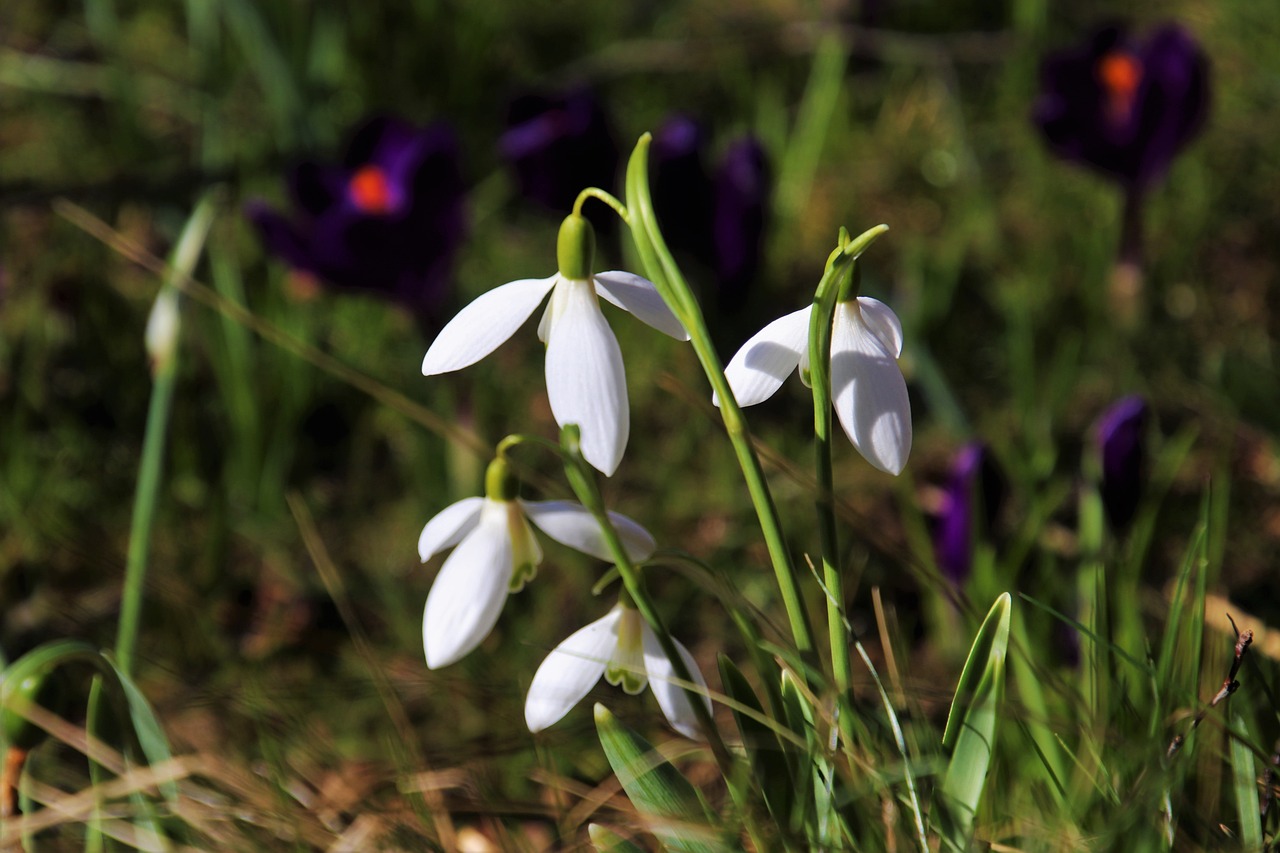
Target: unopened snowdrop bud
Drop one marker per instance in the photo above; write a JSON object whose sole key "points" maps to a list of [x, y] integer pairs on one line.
{"points": [[500, 483], [162, 329], [576, 247]]}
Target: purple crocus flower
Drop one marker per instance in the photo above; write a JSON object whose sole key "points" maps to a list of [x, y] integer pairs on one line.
{"points": [[389, 220], [559, 146], [717, 220], [1121, 442], [739, 216], [681, 187], [971, 501], [1122, 105]]}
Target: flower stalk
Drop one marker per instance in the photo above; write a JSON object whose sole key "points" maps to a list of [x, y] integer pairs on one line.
{"points": [[839, 283], [165, 375], [666, 276], [584, 487]]}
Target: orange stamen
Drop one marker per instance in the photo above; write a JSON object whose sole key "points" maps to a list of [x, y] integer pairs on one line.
{"points": [[371, 191], [1120, 74]]}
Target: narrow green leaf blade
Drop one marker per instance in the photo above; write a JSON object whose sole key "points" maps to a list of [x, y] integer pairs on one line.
{"points": [[605, 840], [766, 752], [971, 727], [1244, 780], [656, 788]]}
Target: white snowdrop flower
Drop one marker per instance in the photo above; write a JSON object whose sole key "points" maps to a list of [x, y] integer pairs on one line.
{"points": [[497, 553], [867, 388], [623, 648], [586, 384]]}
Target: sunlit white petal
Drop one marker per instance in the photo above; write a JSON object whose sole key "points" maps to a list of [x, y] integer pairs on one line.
{"points": [[483, 325], [449, 526], [570, 671], [572, 524], [672, 698], [585, 381], [758, 369], [869, 393], [883, 323], [468, 594], [637, 295]]}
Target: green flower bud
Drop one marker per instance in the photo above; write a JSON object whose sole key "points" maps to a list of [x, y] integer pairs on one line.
{"points": [[43, 689], [500, 483], [576, 247]]}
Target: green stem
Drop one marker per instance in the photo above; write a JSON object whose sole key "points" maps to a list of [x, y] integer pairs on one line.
{"points": [[838, 270], [675, 291], [600, 195], [185, 256], [144, 509], [582, 479]]}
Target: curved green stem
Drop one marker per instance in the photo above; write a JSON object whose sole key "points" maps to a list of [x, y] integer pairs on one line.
{"points": [[671, 284], [600, 195], [824, 303], [185, 256], [581, 478], [838, 284]]}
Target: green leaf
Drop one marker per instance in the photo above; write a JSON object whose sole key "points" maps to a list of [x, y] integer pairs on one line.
{"points": [[971, 727], [606, 840], [766, 752], [799, 719], [657, 790], [1244, 780]]}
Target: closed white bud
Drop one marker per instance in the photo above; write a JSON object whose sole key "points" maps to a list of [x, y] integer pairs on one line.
{"points": [[162, 328]]}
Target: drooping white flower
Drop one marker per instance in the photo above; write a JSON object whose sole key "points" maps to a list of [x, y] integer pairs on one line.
{"points": [[586, 384], [497, 553], [867, 388], [623, 648]]}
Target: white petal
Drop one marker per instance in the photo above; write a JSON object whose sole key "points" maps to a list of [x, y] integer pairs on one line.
{"points": [[448, 527], [883, 323], [482, 326], [468, 594], [570, 671], [585, 382], [869, 392], [637, 295], [572, 524], [672, 699], [757, 370]]}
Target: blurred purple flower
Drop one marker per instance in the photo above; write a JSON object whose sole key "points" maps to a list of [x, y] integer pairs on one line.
{"points": [[972, 499], [389, 220], [1124, 106], [739, 216], [681, 186], [1121, 441], [559, 146], [719, 221]]}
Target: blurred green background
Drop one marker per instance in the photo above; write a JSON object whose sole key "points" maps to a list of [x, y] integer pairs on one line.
{"points": [[998, 263]]}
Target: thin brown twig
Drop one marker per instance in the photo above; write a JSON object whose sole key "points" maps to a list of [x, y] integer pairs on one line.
{"points": [[1229, 686]]}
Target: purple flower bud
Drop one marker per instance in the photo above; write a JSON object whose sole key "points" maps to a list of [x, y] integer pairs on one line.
{"points": [[559, 146], [681, 187], [1123, 106], [739, 217], [389, 220], [972, 499], [1121, 441]]}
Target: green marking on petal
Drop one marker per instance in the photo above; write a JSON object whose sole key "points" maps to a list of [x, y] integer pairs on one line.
{"points": [[523, 573]]}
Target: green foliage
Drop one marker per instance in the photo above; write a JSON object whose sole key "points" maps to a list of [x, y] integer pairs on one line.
{"points": [[671, 806], [970, 735], [302, 694]]}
